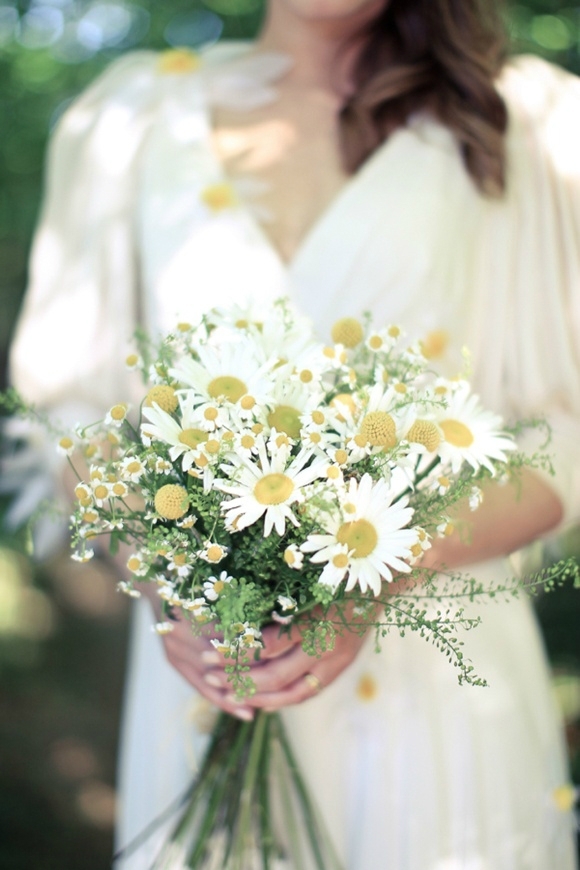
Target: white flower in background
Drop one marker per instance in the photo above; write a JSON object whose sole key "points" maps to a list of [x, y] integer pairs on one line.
{"points": [[163, 627], [131, 469], [266, 488], [227, 373], [294, 558], [83, 555], [137, 565], [199, 609], [475, 498], [286, 603], [289, 402], [127, 589], [185, 436], [214, 586], [212, 552], [65, 446], [116, 415], [470, 433], [366, 540]]}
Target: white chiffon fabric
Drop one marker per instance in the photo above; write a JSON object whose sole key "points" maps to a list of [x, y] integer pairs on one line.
{"points": [[409, 770]]}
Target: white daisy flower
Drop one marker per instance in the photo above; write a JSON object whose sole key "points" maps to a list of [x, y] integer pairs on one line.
{"points": [[163, 627], [116, 415], [212, 552], [127, 589], [286, 602], [132, 469], [185, 436], [65, 446], [267, 488], [294, 558], [227, 373], [83, 555], [367, 539], [470, 433], [214, 586], [290, 401], [199, 609]]}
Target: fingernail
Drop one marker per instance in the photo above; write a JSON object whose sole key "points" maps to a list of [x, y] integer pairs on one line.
{"points": [[213, 680], [209, 657], [246, 715]]}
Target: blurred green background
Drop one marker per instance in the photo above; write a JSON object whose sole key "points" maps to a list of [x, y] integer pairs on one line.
{"points": [[63, 630]]}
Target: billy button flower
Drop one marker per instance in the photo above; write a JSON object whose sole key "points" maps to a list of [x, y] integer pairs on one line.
{"points": [[164, 396], [171, 501], [425, 433], [347, 331]]}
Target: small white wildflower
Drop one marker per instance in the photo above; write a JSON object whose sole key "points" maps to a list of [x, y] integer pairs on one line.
{"points": [[214, 586], [293, 558], [127, 589], [83, 555], [162, 466], [163, 627], [475, 498], [212, 552], [116, 415], [65, 446], [132, 468]]}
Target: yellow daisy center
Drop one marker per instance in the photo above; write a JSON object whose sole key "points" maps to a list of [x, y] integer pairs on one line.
{"points": [[90, 517], [180, 560], [178, 60], [171, 501], [101, 491], [228, 387], [285, 419], [394, 331], [215, 553], [247, 402], [379, 429], [66, 443], [247, 441], [306, 376], [375, 342], [457, 433], [360, 537], [134, 563], [318, 418], [340, 560], [82, 491], [192, 437], [289, 557], [118, 412], [132, 360], [341, 456], [134, 466], [120, 489], [219, 197], [213, 446], [333, 472], [273, 489], [434, 344], [367, 688], [347, 331], [424, 432], [164, 396]]}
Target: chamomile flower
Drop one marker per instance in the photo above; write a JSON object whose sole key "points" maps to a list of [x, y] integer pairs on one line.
{"points": [[267, 488], [213, 587], [185, 436], [212, 552], [132, 469], [367, 539], [290, 401], [116, 415], [225, 374], [470, 433], [294, 558], [198, 607]]}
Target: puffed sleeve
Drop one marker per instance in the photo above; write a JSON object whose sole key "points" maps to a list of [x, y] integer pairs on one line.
{"points": [[81, 306], [530, 256]]}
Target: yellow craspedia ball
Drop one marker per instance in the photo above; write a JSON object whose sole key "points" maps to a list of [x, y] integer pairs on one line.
{"points": [[171, 501], [164, 396], [425, 432], [347, 331]]}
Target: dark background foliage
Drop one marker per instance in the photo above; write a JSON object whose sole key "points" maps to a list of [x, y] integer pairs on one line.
{"points": [[63, 631]]}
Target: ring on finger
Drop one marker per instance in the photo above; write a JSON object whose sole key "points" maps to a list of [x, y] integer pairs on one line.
{"points": [[313, 682]]}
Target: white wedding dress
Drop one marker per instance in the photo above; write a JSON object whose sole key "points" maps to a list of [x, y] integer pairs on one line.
{"points": [[409, 770]]}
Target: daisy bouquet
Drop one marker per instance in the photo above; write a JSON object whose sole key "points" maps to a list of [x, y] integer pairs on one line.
{"points": [[267, 478]]}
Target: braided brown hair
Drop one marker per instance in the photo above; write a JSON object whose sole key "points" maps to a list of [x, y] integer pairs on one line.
{"points": [[440, 55]]}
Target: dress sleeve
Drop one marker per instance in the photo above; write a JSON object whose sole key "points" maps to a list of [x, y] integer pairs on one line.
{"points": [[81, 305], [542, 225]]}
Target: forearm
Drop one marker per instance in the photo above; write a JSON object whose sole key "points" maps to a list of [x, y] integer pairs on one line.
{"points": [[510, 516]]}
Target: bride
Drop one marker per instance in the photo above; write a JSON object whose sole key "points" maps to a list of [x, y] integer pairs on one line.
{"points": [[361, 155]]}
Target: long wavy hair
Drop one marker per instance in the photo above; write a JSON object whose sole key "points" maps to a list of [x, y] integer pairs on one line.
{"points": [[439, 55]]}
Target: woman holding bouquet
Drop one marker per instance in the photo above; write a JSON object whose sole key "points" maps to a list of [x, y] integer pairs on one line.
{"points": [[375, 155]]}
